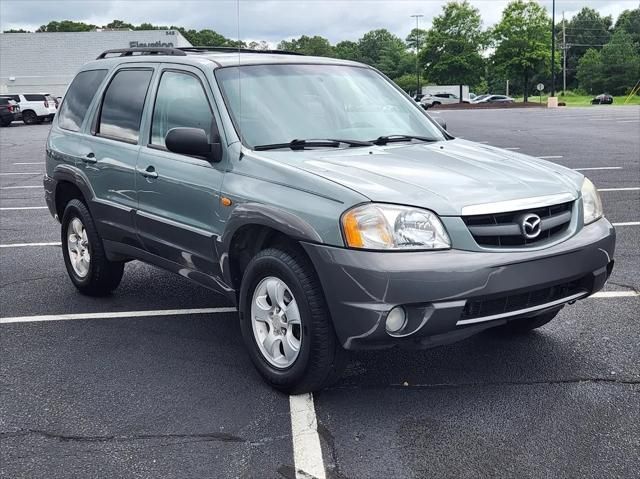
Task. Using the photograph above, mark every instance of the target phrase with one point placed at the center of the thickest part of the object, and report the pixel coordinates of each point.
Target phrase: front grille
(481, 307)
(503, 230)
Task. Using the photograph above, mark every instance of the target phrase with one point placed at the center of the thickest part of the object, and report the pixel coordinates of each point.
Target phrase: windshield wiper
(383, 140)
(316, 143)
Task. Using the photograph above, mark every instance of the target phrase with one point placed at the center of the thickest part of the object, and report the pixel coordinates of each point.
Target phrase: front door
(178, 195)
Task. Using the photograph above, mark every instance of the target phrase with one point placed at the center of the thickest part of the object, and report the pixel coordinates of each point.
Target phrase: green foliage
(14, 30)
(408, 82)
(587, 29)
(66, 26)
(620, 63)
(589, 73)
(316, 46)
(452, 54)
(418, 35)
(347, 50)
(522, 41)
(629, 22)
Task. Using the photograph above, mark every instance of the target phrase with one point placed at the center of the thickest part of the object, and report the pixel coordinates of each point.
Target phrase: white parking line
(19, 187)
(12, 208)
(511, 148)
(628, 121)
(21, 245)
(113, 315)
(627, 223)
(635, 188)
(307, 453)
(552, 157)
(615, 294)
(24, 174)
(31, 163)
(599, 168)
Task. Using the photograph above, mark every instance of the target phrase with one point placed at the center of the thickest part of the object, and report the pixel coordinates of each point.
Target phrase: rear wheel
(87, 265)
(523, 326)
(29, 117)
(286, 324)
(5, 122)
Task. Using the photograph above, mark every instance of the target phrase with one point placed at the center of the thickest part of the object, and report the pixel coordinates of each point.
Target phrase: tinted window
(34, 97)
(123, 103)
(4, 101)
(15, 98)
(180, 101)
(78, 98)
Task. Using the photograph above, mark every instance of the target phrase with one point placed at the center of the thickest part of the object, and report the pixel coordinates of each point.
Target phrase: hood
(443, 177)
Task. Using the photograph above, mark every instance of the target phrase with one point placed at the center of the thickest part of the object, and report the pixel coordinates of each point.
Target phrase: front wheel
(29, 117)
(286, 325)
(87, 265)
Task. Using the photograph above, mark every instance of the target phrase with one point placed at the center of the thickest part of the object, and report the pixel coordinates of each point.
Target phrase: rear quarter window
(34, 97)
(78, 98)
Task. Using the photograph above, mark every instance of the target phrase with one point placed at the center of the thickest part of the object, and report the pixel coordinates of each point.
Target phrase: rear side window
(122, 105)
(78, 98)
(15, 98)
(4, 101)
(34, 97)
(180, 102)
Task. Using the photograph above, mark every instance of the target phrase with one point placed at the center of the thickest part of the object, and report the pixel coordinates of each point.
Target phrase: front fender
(258, 214)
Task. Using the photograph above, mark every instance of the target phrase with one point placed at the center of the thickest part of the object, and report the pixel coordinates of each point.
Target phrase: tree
(14, 30)
(620, 63)
(589, 71)
(417, 34)
(386, 52)
(347, 50)
(316, 46)
(629, 22)
(452, 54)
(587, 29)
(407, 82)
(261, 45)
(66, 26)
(119, 25)
(523, 41)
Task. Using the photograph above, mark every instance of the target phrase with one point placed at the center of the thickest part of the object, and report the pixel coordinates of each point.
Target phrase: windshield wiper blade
(317, 143)
(383, 140)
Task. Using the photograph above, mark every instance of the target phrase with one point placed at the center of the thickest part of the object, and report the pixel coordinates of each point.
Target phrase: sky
(270, 20)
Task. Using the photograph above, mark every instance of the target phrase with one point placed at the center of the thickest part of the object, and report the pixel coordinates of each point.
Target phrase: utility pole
(553, 48)
(564, 56)
(417, 17)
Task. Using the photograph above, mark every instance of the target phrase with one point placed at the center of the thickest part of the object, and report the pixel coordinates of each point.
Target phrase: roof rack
(128, 52)
(233, 50)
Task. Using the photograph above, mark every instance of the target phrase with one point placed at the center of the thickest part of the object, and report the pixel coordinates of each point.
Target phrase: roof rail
(127, 52)
(233, 50)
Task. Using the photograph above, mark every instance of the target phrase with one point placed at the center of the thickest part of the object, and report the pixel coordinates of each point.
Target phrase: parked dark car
(602, 99)
(9, 111)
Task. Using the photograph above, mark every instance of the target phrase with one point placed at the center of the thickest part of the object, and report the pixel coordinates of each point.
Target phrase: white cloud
(270, 20)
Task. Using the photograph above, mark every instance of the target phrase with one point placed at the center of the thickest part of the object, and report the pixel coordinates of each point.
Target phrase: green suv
(319, 198)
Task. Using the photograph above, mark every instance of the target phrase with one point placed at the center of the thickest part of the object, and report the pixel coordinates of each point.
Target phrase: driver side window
(180, 102)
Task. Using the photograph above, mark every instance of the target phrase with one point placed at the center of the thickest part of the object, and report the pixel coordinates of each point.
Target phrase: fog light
(396, 320)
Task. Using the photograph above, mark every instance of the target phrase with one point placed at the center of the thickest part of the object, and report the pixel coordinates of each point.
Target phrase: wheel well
(65, 192)
(248, 241)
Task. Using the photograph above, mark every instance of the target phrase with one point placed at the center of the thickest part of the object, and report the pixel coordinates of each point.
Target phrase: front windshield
(279, 103)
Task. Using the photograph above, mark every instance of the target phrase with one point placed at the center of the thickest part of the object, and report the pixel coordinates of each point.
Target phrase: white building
(47, 62)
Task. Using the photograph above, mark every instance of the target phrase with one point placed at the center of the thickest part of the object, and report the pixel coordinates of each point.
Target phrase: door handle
(150, 172)
(90, 158)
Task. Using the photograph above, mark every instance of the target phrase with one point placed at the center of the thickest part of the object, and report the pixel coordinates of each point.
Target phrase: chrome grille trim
(517, 205)
(531, 309)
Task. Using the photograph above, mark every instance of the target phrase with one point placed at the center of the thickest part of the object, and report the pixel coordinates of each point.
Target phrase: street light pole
(553, 48)
(417, 17)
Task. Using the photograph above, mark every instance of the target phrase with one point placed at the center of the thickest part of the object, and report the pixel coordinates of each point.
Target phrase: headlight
(384, 227)
(591, 202)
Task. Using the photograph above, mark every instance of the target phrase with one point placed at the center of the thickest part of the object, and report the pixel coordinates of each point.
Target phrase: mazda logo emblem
(530, 225)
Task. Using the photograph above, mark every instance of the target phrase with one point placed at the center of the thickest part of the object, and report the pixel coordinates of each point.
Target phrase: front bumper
(450, 295)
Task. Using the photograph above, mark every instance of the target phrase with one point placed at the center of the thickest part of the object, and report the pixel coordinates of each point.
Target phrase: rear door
(110, 163)
(178, 195)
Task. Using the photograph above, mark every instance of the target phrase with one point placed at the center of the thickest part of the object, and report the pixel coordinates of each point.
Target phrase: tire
(98, 276)
(435, 103)
(525, 325)
(320, 359)
(4, 123)
(29, 117)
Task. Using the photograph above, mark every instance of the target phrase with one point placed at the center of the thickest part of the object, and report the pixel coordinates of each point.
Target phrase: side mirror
(440, 122)
(193, 142)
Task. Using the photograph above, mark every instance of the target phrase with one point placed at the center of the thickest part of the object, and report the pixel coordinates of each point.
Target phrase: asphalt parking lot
(173, 394)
